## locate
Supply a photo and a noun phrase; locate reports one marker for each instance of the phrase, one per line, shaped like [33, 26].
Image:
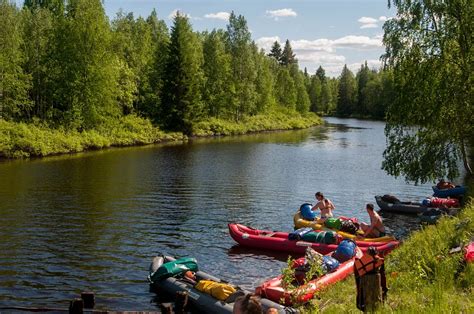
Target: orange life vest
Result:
[367, 263]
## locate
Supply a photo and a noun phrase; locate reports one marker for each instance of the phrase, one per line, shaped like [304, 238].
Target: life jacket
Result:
[366, 264]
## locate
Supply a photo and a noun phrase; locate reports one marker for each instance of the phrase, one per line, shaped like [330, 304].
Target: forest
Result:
[63, 64]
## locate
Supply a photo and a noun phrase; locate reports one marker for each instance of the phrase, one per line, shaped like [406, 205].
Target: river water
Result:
[93, 221]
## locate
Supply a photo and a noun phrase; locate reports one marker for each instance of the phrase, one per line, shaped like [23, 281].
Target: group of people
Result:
[373, 230]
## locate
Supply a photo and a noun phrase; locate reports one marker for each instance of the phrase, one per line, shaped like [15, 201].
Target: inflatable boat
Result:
[278, 241]
[273, 288]
[300, 222]
[400, 207]
[203, 302]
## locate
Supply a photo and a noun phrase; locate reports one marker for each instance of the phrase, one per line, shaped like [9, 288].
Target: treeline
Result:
[63, 62]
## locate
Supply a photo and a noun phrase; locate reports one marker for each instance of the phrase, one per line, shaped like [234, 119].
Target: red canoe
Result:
[273, 290]
[278, 241]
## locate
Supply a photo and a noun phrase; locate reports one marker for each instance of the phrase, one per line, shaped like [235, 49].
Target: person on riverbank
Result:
[376, 227]
[324, 205]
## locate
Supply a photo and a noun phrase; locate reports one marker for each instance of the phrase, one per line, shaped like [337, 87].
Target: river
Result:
[93, 221]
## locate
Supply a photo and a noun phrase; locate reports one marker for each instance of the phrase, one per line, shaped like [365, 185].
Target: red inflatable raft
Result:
[273, 289]
[278, 241]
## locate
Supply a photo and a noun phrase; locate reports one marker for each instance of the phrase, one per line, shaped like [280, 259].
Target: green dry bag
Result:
[173, 268]
[333, 223]
[326, 237]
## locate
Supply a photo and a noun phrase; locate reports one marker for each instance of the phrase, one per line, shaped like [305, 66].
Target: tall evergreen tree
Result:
[347, 92]
[181, 102]
[276, 51]
[315, 94]
[288, 57]
[363, 76]
[14, 83]
[321, 74]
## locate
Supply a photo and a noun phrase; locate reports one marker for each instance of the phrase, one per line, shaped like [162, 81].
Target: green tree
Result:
[288, 57]
[243, 89]
[327, 97]
[321, 74]
[363, 77]
[181, 102]
[347, 92]
[430, 122]
[275, 51]
[286, 93]
[315, 94]
[84, 70]
[38, 29]
[14, 83]
[302, 98]
[264, 83]
[217, 72]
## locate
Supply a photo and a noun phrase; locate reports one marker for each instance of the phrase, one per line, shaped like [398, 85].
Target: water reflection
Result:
[94, 221]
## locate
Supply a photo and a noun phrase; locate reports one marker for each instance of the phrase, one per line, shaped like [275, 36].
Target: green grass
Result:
[22, 140]
[275, 120]
[19, 140]
[423, 277]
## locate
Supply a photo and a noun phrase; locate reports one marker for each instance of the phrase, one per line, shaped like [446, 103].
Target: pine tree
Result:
[363, 77]
[181, 102]
[275, 51]
[315, 94]
[288, 57]
[347, 92]
[321, 74]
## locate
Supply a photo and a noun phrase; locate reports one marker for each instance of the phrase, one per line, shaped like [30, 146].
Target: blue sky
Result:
[330, 33]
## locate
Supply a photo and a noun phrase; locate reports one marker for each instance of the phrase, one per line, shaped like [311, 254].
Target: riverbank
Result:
[23, 140]
[423, 277]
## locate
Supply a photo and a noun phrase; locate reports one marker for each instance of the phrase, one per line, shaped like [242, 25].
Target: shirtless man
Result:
[325, 205]
[376, 228]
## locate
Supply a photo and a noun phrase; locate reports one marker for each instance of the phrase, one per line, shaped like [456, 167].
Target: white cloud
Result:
[325, 52]
[383, 18]
[369, 26]
[173, 13]
[219, 16]
[267, 42]
[276, 14]
[367, 20]
[372, 64]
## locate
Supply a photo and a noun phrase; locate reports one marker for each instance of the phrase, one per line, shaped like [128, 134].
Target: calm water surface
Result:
[94, 221]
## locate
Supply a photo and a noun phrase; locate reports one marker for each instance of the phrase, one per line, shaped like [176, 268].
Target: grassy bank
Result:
[423, 277]
[18, 140]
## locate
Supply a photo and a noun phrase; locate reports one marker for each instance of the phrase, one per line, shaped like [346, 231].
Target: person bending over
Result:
[376, 228]
[323, 204]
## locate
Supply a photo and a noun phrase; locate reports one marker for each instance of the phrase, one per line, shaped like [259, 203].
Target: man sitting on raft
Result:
[376, 228]
[325, 205]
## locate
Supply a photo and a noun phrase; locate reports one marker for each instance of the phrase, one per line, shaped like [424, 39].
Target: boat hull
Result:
[278, 241]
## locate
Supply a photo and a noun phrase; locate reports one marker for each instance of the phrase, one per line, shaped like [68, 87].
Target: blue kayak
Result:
[458, 190]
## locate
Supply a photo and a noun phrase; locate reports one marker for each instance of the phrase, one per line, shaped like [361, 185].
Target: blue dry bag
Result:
[330, 264]
[298, 234]
[306, 211]
[345, 250]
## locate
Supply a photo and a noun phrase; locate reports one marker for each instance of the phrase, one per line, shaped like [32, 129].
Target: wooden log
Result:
[166, 308]
[181, 303]
[372, 291]
[76, 306]
[89, 299]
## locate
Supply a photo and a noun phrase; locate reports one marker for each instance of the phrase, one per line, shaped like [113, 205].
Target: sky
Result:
[329, 33]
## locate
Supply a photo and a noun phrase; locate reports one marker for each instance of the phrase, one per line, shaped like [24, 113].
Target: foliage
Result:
[422, 275]
[181, 101]
[347, 92]
[430, 121]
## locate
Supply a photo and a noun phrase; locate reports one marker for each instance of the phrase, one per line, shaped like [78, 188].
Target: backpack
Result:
[349, 226]
[174, 268]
